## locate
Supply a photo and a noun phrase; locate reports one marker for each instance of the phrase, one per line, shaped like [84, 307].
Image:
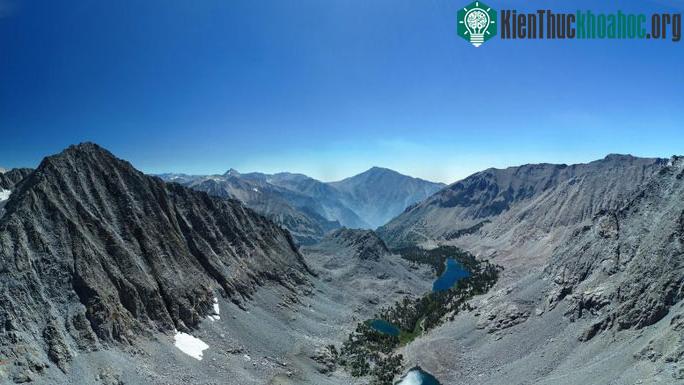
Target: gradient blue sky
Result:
[326, 88]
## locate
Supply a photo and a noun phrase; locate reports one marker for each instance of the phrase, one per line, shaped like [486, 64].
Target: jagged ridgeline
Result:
[93, 252]
[371, 349]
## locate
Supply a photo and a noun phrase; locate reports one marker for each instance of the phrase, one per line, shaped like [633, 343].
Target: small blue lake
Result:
[417, 376]
[384, 327]
[452, 274]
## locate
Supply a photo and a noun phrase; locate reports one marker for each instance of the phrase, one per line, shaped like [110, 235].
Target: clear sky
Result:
[326, 88]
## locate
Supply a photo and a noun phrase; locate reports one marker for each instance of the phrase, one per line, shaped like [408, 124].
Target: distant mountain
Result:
[309, 208]
[93, 253]
[300, 214]
[521, 201]
[380, 194]
[329, 199]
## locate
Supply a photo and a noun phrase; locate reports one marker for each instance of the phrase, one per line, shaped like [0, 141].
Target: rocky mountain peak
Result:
[232, 172]
[95, 252]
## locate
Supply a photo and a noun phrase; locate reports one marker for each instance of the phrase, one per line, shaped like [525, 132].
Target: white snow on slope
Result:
[217, 311]
[4, 194]
[190, 345]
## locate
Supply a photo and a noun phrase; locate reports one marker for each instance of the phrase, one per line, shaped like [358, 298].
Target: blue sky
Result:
[326, 88]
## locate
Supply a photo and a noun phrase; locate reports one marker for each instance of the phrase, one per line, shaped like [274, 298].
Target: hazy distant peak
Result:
[232, 172]
[381, 169]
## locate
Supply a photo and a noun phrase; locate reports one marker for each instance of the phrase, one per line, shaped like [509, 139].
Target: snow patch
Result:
[4, 194]
[190, 345]
[217, 311]
[255, 189]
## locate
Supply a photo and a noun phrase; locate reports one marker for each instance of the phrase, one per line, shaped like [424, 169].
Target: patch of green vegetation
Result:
[368, 352]
[437, 257]
[406, 337]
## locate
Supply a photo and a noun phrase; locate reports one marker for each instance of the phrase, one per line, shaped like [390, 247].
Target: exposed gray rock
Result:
[8, 179]
[540, 196]
[11, 177]
[364, 244]
[503, 317]
[94, 253]
[609, 295]
[627, 268]
[326, 358]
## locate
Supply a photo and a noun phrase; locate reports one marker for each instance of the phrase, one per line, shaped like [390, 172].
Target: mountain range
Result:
[593, 262]
[110, 276]
[309, 208]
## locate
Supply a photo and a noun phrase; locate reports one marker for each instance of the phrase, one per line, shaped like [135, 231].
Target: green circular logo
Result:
[477, 23]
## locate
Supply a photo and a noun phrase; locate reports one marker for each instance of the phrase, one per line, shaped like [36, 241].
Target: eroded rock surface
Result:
[95, 253]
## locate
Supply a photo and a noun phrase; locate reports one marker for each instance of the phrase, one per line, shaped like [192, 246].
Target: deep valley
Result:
[544, 274]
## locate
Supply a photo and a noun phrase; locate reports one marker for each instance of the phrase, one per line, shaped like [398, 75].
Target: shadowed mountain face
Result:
[544, 196]
[8, 179]
[309, 208]
[93, 252]
[381, 194]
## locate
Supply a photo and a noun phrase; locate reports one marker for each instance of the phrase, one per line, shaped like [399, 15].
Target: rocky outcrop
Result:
[10, 178]
[95, 253]
[503, 317]
[521, 201]
[625, 269]
[365, 244]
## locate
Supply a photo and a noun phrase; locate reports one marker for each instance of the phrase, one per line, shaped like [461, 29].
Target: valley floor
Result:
[273, 341]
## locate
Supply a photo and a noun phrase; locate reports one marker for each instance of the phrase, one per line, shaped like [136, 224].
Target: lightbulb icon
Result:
[477, 21]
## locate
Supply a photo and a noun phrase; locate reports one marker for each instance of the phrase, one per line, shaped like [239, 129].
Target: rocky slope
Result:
[626, 269]
[8, 179]
[518, 214]
[363, 244]
[278, 337]
[380, 194]
[606, 306]
[94, 253]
